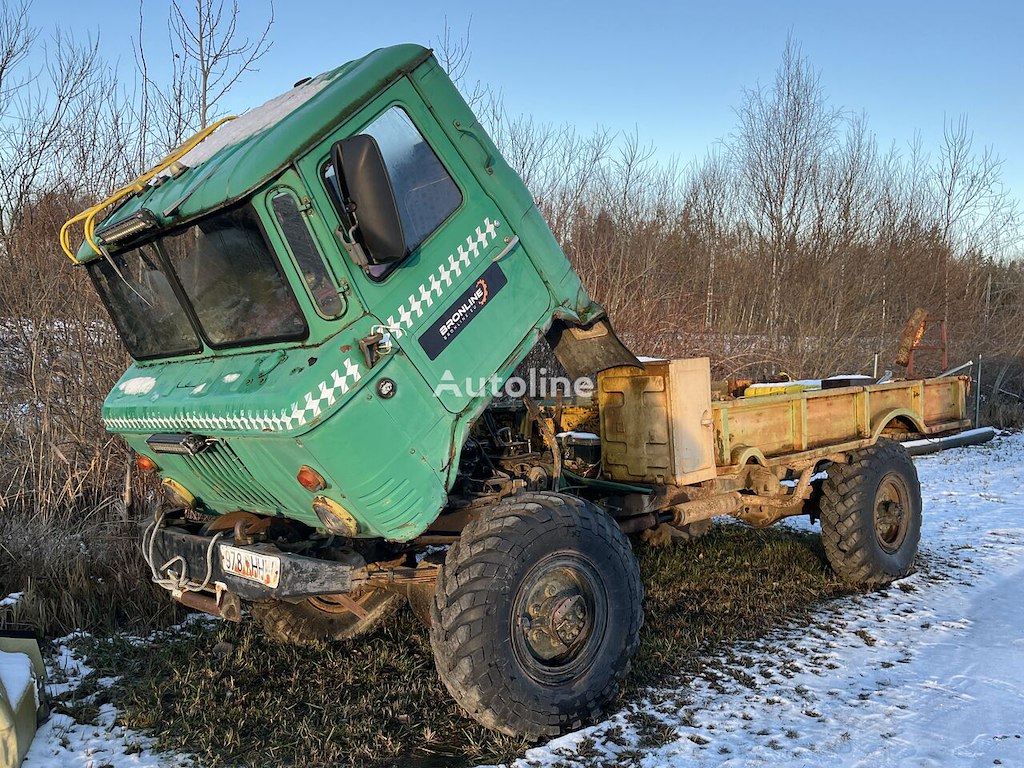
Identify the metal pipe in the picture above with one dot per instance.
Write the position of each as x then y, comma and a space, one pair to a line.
643, 522
704, 509
228, 608
977, 397
951, 371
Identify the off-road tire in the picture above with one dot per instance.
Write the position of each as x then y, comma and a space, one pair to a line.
867, 544
308, 622
484, 635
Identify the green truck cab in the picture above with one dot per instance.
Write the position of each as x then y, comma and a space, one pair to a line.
251, 324
322, 298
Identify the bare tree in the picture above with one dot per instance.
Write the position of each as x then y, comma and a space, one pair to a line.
784, 135
209, 56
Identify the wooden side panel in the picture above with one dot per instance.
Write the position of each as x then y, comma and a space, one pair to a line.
691, 425
760, 423
943, 400
831, 413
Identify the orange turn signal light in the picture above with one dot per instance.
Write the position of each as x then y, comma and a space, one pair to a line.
310, 479
145, 464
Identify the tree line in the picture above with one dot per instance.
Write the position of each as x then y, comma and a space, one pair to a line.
798, 245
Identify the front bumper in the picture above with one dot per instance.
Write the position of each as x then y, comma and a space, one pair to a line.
300, 576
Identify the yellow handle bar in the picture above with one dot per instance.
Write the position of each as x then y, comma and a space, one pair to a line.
88, 216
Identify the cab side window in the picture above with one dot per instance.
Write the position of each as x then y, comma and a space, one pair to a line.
426, 195
307, 256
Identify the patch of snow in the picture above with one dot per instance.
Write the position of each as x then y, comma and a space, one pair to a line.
198, 390
255, 120
15, 675
231, 377
579, 435
927, 673
140, 385
62, 741
12, 599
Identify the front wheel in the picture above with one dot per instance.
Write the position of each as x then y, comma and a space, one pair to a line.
871, 515
325, 618
537, 614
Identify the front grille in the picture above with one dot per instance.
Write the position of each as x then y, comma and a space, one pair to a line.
229, 479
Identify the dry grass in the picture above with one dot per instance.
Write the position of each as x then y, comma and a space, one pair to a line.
222, 693
77, 572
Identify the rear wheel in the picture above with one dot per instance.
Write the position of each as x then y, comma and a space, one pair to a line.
537, 614
324, 618
871, 515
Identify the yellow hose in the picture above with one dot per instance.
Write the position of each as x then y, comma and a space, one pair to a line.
88, 216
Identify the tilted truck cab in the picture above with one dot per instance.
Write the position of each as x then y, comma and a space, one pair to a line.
321, 298
254, 327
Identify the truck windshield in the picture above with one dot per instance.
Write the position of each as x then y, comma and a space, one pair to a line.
227, 275
143, 305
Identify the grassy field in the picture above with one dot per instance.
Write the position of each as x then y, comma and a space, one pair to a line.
222, 693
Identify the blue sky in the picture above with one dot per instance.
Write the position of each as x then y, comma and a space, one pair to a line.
672, 71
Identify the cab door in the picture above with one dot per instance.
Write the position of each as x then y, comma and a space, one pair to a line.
467, 294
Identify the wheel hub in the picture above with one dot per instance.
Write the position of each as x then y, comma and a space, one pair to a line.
890, 513
558, 618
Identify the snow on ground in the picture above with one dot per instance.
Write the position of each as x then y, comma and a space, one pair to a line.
927, 673
61, 742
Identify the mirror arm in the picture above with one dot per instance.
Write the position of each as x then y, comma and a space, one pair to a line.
351, 245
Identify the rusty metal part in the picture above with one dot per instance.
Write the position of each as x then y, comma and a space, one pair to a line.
225, 605
913, 334
639, 523
758, 509
384, 574
549, 439
762, 511
245, 525
557, 617
343, 603
797, 497
892, 518
726, 504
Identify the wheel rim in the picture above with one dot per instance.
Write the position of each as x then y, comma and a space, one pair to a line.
892, 512
559, 616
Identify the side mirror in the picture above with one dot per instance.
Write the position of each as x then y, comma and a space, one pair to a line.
367, 199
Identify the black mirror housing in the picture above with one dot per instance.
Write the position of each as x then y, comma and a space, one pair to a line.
368, 200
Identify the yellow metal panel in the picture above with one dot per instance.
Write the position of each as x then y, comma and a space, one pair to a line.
656, 423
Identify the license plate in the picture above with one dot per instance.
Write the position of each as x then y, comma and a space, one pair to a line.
264, 569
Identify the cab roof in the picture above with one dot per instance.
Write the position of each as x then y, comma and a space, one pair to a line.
253, 148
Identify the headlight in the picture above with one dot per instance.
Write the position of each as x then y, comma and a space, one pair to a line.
335, 517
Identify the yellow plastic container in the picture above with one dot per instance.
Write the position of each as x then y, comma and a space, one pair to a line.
21, 697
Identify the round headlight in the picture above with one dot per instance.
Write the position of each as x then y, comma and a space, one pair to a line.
178, 494
335, 517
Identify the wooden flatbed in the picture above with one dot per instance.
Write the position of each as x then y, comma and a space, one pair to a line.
784, 429
660, 427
